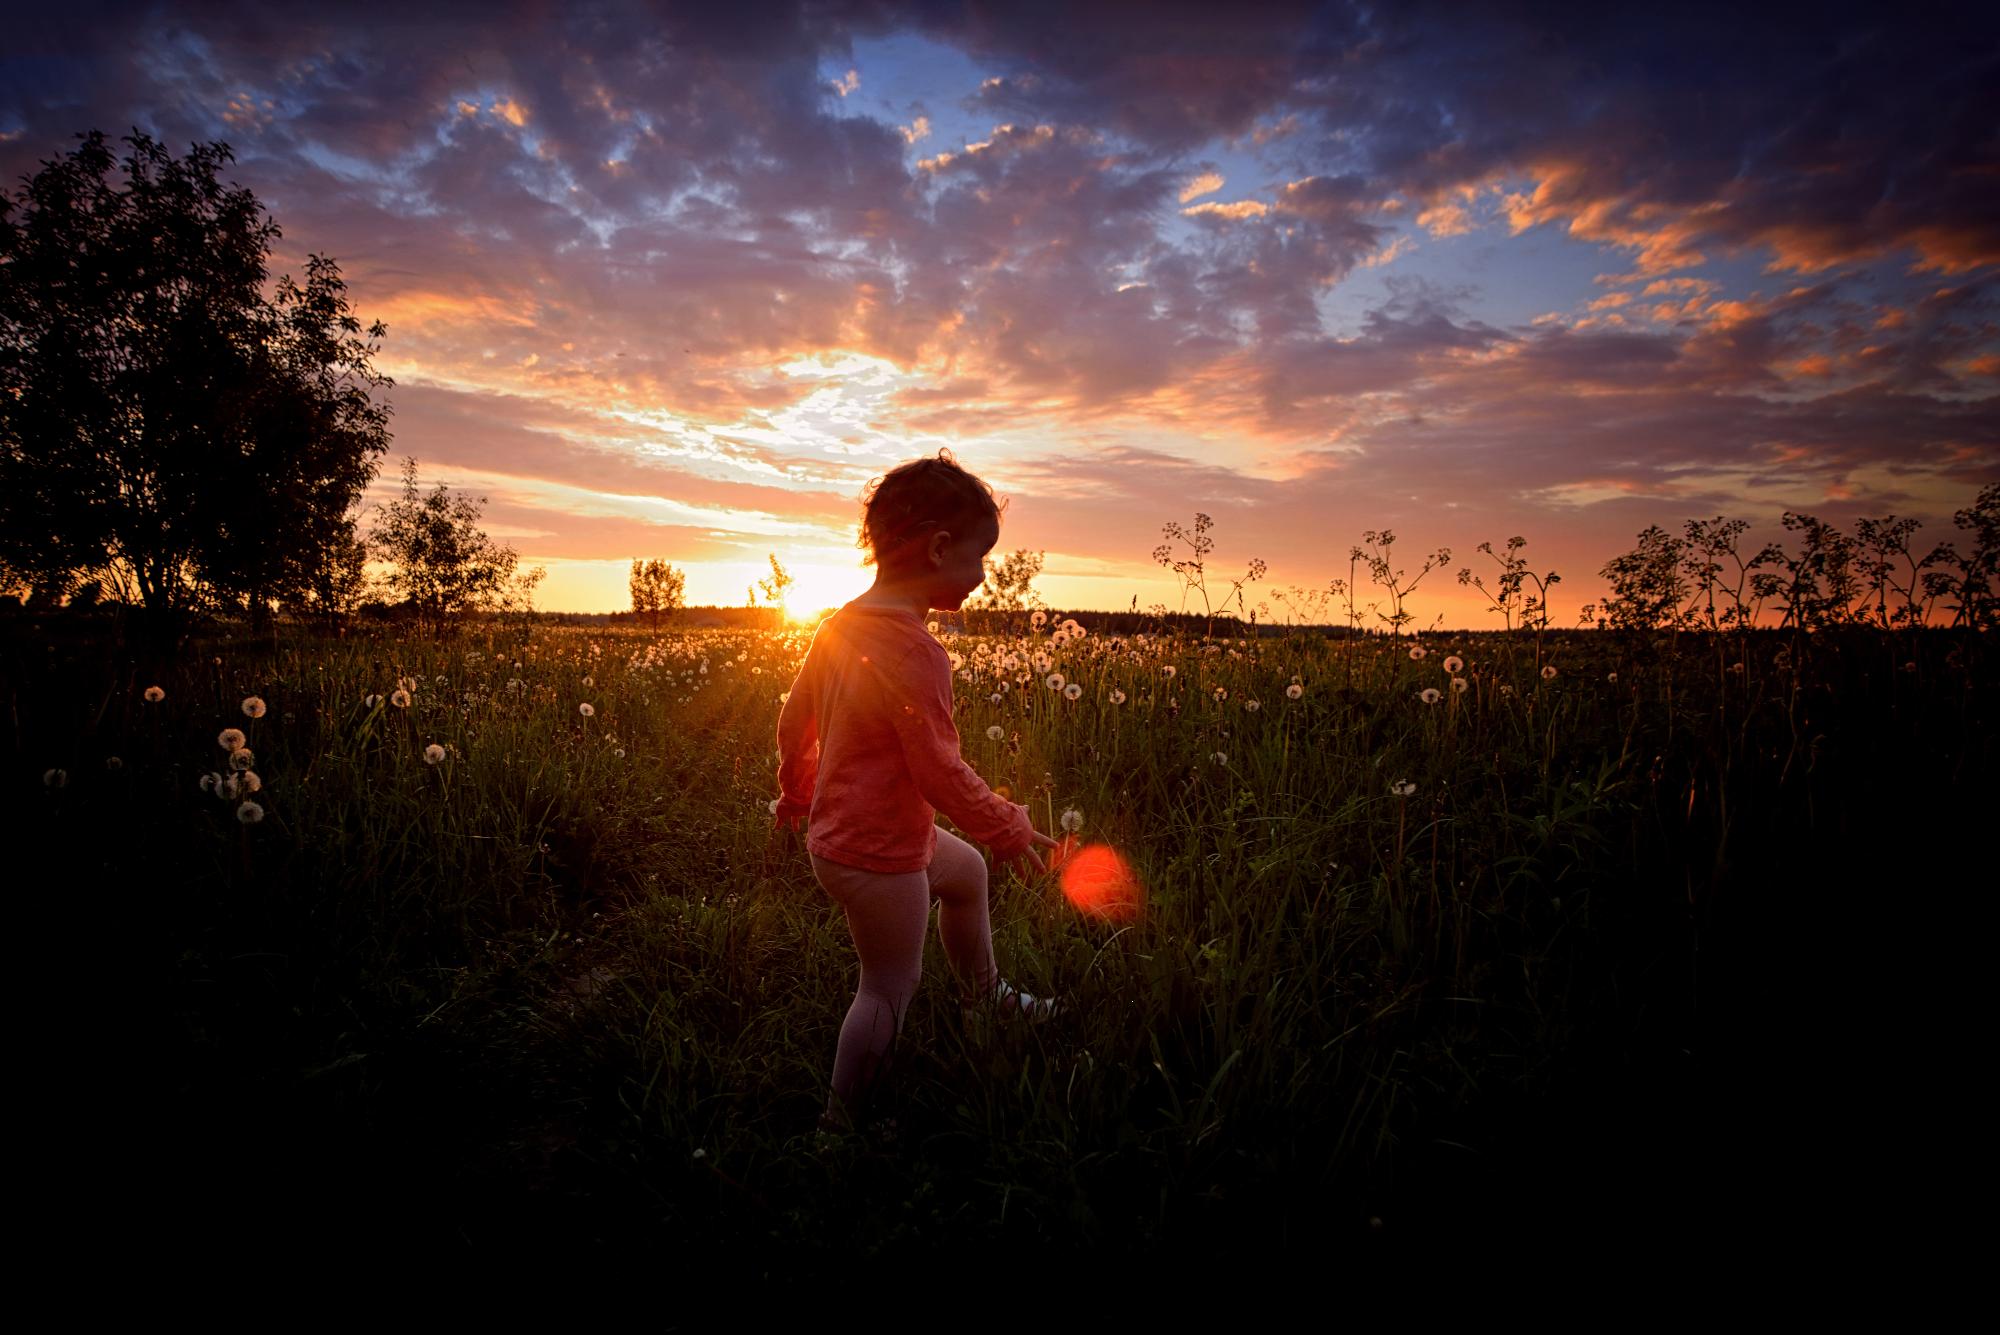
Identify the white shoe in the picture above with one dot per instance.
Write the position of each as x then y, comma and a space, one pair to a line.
1013, 1001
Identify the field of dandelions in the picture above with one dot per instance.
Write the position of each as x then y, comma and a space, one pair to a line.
490, 937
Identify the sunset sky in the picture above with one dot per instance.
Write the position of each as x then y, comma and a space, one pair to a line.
677, 281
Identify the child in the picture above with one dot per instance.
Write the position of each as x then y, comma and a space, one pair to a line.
867, 749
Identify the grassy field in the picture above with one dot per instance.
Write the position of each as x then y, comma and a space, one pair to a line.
1545, 954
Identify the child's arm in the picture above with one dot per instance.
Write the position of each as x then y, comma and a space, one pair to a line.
920, 705
798, 752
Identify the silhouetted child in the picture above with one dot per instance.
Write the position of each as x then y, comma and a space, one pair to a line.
868, 754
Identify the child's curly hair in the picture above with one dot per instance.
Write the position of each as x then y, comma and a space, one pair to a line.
915, 499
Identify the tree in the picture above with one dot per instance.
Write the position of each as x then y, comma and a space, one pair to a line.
164, 426
442, 563
1648, 585
774, 587
1009, 585
657, 587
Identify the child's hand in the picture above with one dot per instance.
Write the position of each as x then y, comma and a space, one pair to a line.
1028, 857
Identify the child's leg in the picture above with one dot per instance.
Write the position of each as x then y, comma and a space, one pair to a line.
887, 915
958, 878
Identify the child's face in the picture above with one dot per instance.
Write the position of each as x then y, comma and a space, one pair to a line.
962, 565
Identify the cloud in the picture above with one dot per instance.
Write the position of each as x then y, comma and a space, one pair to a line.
1206, 183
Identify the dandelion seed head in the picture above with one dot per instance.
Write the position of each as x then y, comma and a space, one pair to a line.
400, 698
249, 782
1294, 691
590, 681
370, 701
586, 709
1039, 619
1402, 788
620, 753
1218, 757
1549, 672
208, 782
1430, 695
113, 763
154, 695
1417, 652
249, 813
407, 683
1453, 664
1054, 681
55, 778
1170, 669
229, 739
1072, 691
1221, 693
1252, 705
995, 733
241, 758
1459, 685
1117, 696
1611, 676
433, 754
1072, 821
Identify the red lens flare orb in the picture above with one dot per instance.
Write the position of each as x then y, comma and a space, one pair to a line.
1097, 880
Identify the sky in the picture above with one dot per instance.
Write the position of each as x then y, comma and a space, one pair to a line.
677, 281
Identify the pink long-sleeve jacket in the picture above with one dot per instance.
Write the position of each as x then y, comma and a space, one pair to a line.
868, 753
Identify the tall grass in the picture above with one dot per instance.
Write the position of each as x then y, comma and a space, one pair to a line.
574, 963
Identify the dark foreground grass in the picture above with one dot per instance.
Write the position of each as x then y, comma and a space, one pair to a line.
1579, 991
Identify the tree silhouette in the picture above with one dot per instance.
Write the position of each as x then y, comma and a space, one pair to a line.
166, 428
442, 562
656, 587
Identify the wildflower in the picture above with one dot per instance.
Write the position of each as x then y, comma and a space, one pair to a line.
433, 754
1218, 757
1117, 696
154, 695
399, 698
253, 706
1430, 695
55, 778
1252, 706
995, 733
590, 681
1072, 691
1054, 681
241, 758
586, 709
248, 781
1403, 788
113, 763
1453, 664
1294, 691
1170, 669
1459, 685
1072, 821
249, 813
1221, 694
1417, 652
1549, 672
229, 739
